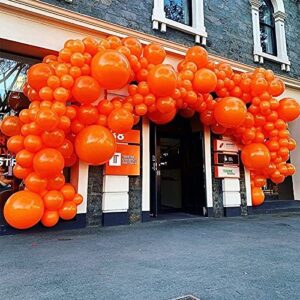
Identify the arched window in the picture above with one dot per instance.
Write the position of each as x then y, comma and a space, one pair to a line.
267, 27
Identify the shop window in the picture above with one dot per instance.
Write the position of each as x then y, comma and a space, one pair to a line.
268, 18
184, 15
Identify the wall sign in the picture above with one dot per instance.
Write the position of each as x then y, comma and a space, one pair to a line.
222, 158
225, 145
227, 172
130, 137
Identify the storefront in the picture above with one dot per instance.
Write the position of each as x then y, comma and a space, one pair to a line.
180, 167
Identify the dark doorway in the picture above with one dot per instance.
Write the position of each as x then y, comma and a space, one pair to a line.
177, 160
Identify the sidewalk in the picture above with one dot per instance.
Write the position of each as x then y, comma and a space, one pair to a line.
231, 258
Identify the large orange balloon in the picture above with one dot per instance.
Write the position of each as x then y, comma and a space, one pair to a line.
197, 55
48, 163
95, 145
120, 120
38, 75
111, 69
230, 112
86, 89
205, 81
50, 218
258, 196
256, 156
68, 210
23, 209
155, 54
288, 110
11, 126
162, 118
162, 80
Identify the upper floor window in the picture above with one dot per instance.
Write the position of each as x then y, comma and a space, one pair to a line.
268, 18
184, 15
179, 11
267, 27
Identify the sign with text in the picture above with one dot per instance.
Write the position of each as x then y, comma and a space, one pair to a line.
222, 158
130, 137
126, 161
227, 172
225, 145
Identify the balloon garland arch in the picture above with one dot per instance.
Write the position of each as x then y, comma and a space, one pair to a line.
68, 119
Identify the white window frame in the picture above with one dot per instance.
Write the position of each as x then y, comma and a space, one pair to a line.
197, 29
279, 17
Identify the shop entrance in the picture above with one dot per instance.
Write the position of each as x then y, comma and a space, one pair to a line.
177, 168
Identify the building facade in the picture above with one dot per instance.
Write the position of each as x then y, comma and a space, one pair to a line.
246, 34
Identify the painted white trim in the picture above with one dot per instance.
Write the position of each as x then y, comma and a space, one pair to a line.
146, 165
197, 28
248, 187
279, 16
208, 171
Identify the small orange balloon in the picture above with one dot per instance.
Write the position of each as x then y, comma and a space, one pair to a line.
53, 138
47, 119
133, 45
56, 183
50, 218
24, 158
87, 114
66, 149
35, 183
15, 143
53, 200
33, 143
155, 54
38, 75
21, 172
120, 120
161, 118
288, 110
258, 196
68, 210
78, 199
11, 125
68, 191
197, 55
205, 81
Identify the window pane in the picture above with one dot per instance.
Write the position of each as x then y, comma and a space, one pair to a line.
266, 12
179, 11
268, 42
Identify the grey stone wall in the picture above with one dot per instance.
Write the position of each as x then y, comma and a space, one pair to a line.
228, 24
135, 199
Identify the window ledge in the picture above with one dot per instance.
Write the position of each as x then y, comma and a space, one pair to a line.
199, 33
285, 63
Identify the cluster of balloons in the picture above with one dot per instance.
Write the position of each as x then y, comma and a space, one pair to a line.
70, 118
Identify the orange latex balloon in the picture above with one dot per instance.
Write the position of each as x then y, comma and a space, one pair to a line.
11, 126
86, 89
35, 183
111, 69
71, 161
161, 118
68, 210
133, 45
259, 181
50, 218
288, 110
15, 143
54, 138
78, 199
56, 183
47, 119
53, 200
48, 163
66, 149
87, 114
256, 156
23, 209
95, 145
205, 81
120, 120
21, 172
155, 54
166, 104
105, 107
38, 75
24, 158
68, 191
230, 112
162, 80
258, 196
33, 143
197, 55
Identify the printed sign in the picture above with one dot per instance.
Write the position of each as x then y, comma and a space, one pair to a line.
126, 161
222, 158
130, 137
225, 145
227, 172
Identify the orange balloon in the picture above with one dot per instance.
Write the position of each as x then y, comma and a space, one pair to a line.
197, 55
66, 149
33, 143
23, 209
105, 107
288, 110
161, 118
24, 116
24, 158
78, 199
50, 218
87, 114
95, 145
11, 125
54, 138
15, 143
230, 112
35, 183
86, 90
47, 119
256, 156
111, 69
56, 183
166, 104
46, 93
48, 163
258, 196
205, 81
133, 45
53, 200
68, 211
71, 161
259, 181
68, 192
276, 87
155, 54
90, 45
38, 75
162, 80
120, 120
21, 172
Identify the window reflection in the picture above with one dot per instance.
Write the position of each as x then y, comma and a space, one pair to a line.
178, 11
